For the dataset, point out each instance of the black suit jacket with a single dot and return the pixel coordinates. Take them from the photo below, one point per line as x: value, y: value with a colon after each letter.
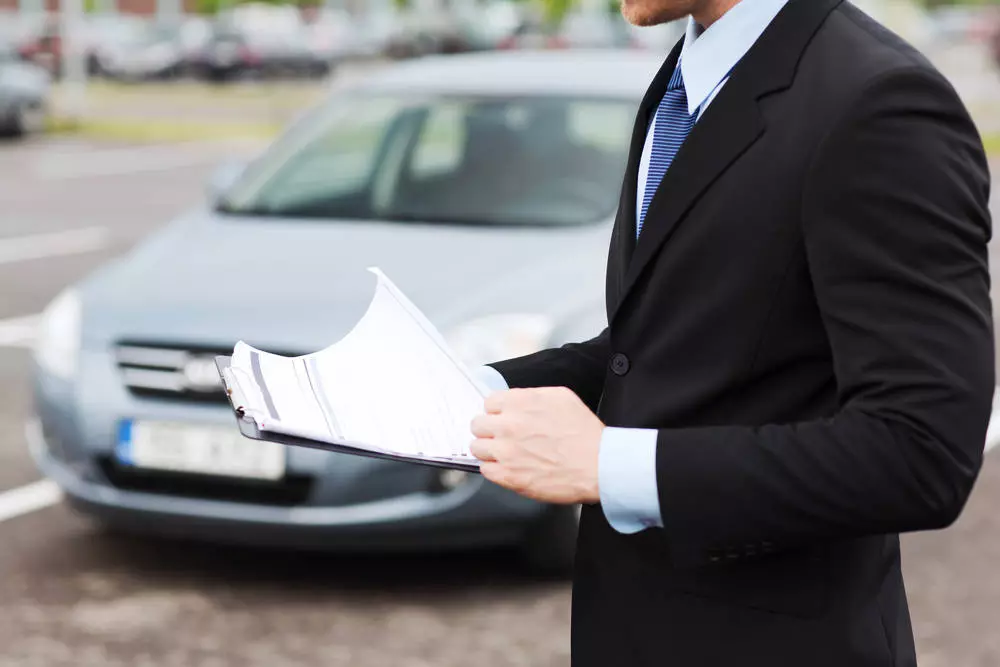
x: 806, y: 320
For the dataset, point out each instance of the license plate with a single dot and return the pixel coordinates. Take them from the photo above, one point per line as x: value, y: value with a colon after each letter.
x: 200, y: 449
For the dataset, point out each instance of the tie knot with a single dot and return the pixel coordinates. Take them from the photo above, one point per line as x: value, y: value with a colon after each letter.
x: 677, y: 80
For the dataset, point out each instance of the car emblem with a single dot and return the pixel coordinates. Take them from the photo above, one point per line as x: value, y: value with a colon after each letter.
x: 201, y: 374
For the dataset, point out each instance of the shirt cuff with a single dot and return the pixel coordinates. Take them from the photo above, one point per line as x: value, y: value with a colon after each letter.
x: 492, y: 378
x: 627, y: 478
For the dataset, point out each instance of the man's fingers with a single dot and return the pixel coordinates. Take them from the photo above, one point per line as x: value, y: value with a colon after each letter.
x: 482, y: 449
x: 486, y: 426
x: 490, y: 449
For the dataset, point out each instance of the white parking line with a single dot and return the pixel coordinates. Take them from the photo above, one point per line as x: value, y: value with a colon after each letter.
x: 54, y: 244
x: 19, y: 331
x: 28, y: 499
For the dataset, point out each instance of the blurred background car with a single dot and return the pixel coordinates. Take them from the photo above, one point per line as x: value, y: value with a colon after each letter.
x: 107, y: 36
x: 102, y: 37
x: 257, y: 41
x: 595, y: 30
x: 588, y: 30
x: 421, y: 32
x: 193, y: 34
x: 374, y: 30
x: 154, y: 52
x: 24, y: 91
x: 333, y: 35
x: 500, y: 168
x: 41, y: 44
x: 487, y: 27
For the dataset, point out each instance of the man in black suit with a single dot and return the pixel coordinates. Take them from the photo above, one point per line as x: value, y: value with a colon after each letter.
x: 798, y: 364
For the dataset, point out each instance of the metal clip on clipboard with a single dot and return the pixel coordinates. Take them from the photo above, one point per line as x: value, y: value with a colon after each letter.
x: 247, y: 424
x: 237, y: 397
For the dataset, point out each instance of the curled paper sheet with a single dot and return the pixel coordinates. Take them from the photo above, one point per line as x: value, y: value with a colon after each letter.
x: 391, y: 385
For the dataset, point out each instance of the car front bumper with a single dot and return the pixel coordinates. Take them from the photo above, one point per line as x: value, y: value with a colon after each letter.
x: 475, y: 514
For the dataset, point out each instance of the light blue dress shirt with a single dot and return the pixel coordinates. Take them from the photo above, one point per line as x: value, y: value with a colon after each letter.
x: 627, y: 458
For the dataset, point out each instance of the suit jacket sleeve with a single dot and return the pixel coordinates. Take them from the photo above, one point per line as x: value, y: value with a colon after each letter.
x: 895, y: 225
x: 579, y: 366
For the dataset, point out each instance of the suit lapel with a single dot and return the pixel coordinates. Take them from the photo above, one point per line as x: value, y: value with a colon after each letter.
x: 625, y: 225
x: 728, y: 128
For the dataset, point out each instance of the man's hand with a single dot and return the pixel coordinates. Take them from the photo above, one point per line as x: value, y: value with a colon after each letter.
x: 540, y: 443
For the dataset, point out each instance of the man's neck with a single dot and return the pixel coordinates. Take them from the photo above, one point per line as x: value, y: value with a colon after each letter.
x: 712, y: 11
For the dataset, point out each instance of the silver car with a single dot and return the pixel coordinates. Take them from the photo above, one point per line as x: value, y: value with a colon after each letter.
x: 483, y: 185
x: 24, y: 92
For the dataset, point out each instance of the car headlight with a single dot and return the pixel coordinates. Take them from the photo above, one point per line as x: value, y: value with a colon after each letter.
x: 499, y: 337
x: 57, y: 347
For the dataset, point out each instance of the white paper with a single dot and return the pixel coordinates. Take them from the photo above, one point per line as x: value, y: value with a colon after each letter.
x: 391, y: 384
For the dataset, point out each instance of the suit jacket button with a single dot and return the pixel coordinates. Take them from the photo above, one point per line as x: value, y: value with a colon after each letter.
x: 620, y: 364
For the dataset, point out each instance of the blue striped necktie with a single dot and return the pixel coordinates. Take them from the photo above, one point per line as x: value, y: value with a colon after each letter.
x: 673, y: 125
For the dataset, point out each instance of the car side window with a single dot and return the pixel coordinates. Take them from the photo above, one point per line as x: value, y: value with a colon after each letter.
x: 603, y: 125
x: 336, y: 161
x: 441, y: 143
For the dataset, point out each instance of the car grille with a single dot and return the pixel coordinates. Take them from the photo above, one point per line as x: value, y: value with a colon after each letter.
x: 171, y: 372
x: 290, y: 491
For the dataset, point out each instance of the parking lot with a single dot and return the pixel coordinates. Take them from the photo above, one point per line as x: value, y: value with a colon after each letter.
x: 71, y: 594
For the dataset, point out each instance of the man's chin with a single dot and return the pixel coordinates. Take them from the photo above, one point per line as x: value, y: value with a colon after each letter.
x: 645, y: 17
x: 640, y: 20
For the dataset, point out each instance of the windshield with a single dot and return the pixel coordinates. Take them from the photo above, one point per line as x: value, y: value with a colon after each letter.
x: 534, y: 161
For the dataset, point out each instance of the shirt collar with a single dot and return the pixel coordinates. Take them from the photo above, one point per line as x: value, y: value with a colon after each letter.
x: 708, y: 56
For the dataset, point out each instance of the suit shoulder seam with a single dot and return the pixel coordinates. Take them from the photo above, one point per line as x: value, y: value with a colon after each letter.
x: 911, y: 57
x: 853, y: 111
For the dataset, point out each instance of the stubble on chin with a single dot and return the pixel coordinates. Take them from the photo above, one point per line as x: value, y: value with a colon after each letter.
x: 646, y: 13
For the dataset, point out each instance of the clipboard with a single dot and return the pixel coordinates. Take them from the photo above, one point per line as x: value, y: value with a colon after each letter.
x: 248, y: 428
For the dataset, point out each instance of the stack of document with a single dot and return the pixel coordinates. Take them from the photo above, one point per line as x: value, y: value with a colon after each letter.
x: 391, y: 386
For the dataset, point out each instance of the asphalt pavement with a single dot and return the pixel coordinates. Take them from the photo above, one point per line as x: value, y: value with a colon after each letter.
x: 72, y: 594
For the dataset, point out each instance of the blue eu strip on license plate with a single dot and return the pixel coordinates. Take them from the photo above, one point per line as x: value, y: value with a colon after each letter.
x: 123, y: 448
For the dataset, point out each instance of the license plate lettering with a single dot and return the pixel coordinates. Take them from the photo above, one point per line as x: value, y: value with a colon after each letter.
x: 190, y: 448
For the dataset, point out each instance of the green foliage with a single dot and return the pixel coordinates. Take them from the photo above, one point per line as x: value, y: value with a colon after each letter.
x: 211, y: 7
x: 930, y: 4
x: 556, y: 9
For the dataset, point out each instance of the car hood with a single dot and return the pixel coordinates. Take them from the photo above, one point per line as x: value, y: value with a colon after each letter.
x: 207, y: 281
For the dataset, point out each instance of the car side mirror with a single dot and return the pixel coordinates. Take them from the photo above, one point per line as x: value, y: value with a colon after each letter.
x: 223, y: 178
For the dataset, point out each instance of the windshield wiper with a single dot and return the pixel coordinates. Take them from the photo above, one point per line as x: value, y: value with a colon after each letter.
x: 227, y: 208
x: 448, y: 220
